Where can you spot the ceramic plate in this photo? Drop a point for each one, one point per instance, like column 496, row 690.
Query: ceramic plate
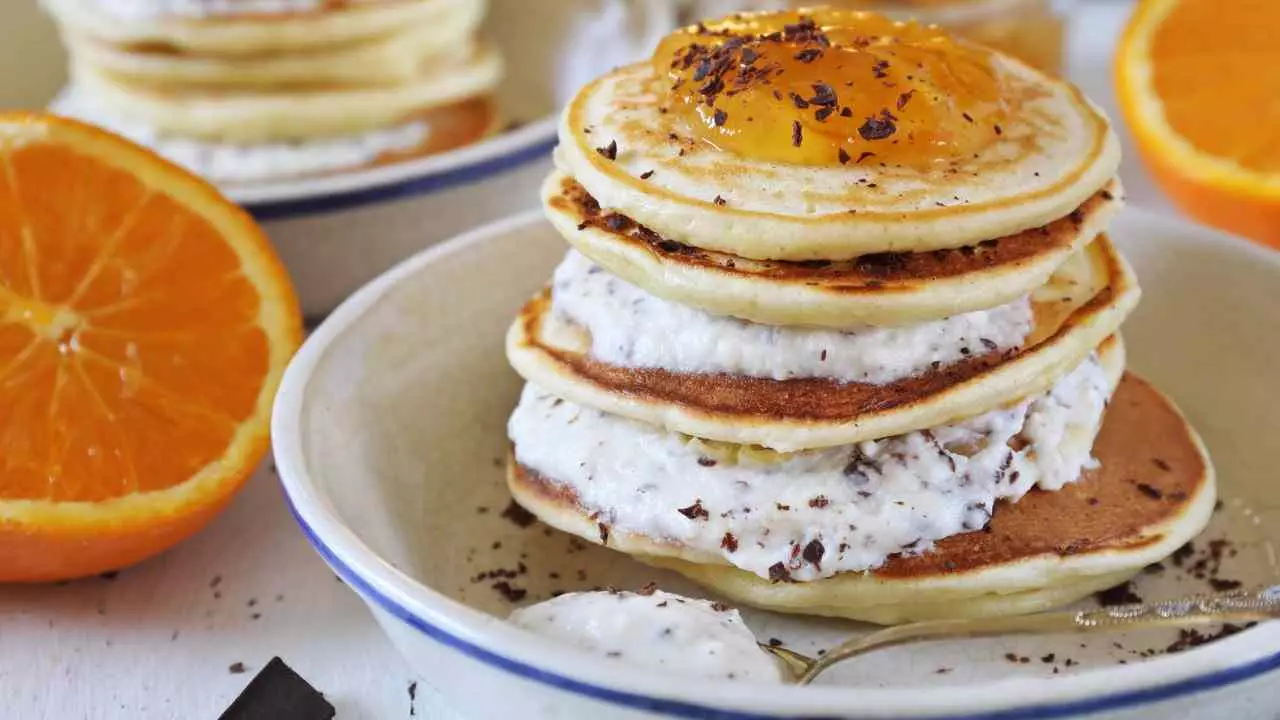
column 390, row 434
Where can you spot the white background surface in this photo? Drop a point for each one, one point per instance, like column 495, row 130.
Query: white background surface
column 157, row 641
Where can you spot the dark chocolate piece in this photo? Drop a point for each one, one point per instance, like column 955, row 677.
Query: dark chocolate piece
column 279, row 693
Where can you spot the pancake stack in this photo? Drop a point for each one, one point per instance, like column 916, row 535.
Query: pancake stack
column 838, row 331
column 246, row 91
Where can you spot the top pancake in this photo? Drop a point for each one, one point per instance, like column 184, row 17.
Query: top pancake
column 396, row 57
column 1055, row 151
column 329, row 24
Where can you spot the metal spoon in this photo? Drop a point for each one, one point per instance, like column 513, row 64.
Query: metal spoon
column 1235, row 607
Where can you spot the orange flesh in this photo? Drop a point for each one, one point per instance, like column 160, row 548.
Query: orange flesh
column 109, row 295
column 1217, row 77
column 848, row 84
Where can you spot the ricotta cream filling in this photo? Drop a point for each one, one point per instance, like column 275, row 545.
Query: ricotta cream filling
column 811, row 514
column 231, row 163
column 632, row 328
column 695, row 638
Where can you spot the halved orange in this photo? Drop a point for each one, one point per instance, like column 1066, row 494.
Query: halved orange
column 145, row 323
column 1199, row 84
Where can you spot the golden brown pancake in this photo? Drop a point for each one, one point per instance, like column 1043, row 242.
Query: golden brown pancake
column 330, row 24
column 1153, row 492
column 877, row 289
column 1072, row 319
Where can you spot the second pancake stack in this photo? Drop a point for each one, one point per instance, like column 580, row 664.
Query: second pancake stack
column 245, row 92
column 839, row 305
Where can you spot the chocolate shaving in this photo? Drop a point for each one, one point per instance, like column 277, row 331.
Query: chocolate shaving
column 518, row 515
column 1150, row 491
column 813, row 553
column 797, row 133
column 823, row 94
column 778, row 572
column 808, row 55
column 878, row 128
column 694, row 511
column 610, row 151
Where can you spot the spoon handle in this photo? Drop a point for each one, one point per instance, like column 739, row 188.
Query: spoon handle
column 1234, row 606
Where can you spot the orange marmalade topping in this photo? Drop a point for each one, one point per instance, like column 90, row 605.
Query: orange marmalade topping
column 832, row 87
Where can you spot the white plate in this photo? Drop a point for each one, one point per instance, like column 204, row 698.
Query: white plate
column 390, row 428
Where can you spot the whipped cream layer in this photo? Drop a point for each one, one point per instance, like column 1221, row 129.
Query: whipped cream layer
column 632, row 328
column 154, row 9
column 231, row 164
column 695, row 638
column 811, row 514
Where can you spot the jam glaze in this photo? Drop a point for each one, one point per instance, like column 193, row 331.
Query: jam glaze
column 831, row 88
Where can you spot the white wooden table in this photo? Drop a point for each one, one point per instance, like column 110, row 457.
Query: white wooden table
column 158, row 640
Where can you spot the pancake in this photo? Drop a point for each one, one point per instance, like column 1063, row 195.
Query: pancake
column 328, row 25
column 1084, row 303
column 389, row 59
column 424, row 133
column 880, row 289
column 1051, row 151
column 1153, row 491
column 253, row 117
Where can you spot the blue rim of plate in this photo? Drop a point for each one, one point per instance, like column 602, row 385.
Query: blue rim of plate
column 435, row 182
column 677, row 708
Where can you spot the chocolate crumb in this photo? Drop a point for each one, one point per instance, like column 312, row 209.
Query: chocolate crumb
column 694, row 511
column 649, row 589
column 1151, row 492
column 863, row 156
column 813, row 552
column 1122, row 594
column 705, row 461
column 518, row 515
column 843, row 155
column 604, row 533
column 719, row 201
column 778, row 572
column 609, row 151
column 646, row 175
column 729, row 542
column 509, row 592
column 720, row 117
column 819, row 502
column 720, row 607
column 775, row 642
column 797, row 133
column 878, row 128
column 236, row 668
column 1048, row 658
column 1223, row 585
